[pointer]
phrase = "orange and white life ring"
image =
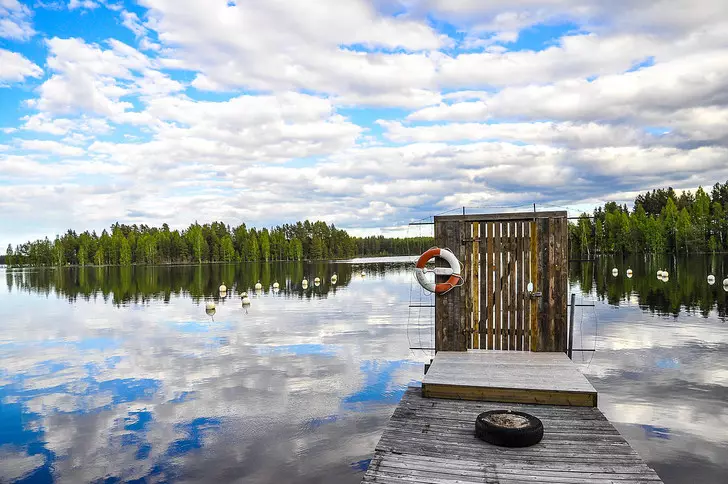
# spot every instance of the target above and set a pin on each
(443, 287)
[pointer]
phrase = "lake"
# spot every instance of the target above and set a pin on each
(121, 375)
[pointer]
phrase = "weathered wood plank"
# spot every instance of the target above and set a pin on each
(491, 285)
(449, 307)
(475, 284)
(547, 378)
(484, 328)
(497, 296)
(528, 278)
(518, 287)
(432, 441)
(539, 340)
(513, 242)
(465, 289)
(534, 254)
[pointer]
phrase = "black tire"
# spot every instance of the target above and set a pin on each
(490, 427)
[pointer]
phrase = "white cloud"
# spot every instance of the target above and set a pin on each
(649, 96)
(131, 21)
(82, 4)
(560, 134)
(15, 21)
(271, 58)
(15, 68)
(89, 79)
(51, 147)
(42, 123)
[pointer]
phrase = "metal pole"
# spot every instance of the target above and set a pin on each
(534, 207)
(571, 324)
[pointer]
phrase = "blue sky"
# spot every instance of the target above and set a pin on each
(363, 113)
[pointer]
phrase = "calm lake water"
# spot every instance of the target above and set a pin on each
(120, 374)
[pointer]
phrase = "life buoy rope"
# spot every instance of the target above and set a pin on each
(455, 278)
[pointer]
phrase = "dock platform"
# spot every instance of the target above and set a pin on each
(432, 440)
(508, 376)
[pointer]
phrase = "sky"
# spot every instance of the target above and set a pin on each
(364, 113)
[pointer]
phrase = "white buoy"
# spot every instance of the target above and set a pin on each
(615, 272)
(223, 287)
(246, 300)
(244, 294)
(363, 273)
(665, 278)
(334, 279)
(304, 283)
(276, 285)
(317, 280)
(258, 286)
(665, 274)
(725, 281)
(210, 305)
(659, 273)
(711, 279)
(629, 273)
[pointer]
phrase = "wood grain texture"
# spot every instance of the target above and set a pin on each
(468, 294)
(432, 441)
(500, 256)
(474, 286)
(509, 376)
(497, 294)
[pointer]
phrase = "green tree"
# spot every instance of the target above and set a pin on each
(264, 240)
(227, 249)
(124, 252)
(9, 256)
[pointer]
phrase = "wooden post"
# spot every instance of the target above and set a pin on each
(450, 328)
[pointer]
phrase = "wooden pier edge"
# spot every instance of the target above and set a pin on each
(510, 395)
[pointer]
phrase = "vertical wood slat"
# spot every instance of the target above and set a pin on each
(491, 285)
(505, 288)
(497, 314)
(449, 307)
(545, 251)
(484, 286)
(528, 278)
(536, 279)
(512, 287)
(475, 284)
(468, 294)
(519, 290)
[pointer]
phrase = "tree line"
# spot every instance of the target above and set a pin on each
(660, 222)
(216, 242)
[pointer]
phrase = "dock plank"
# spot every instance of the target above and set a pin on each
(508, 376)
(432, 441)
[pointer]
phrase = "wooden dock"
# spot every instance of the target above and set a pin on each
(432, 440)
(508, 376)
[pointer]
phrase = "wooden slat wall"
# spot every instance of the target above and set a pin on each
(494, 310)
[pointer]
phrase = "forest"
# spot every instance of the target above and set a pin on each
(661, 221)
(215, 242)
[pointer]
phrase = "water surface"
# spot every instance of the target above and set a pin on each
(119, 374)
